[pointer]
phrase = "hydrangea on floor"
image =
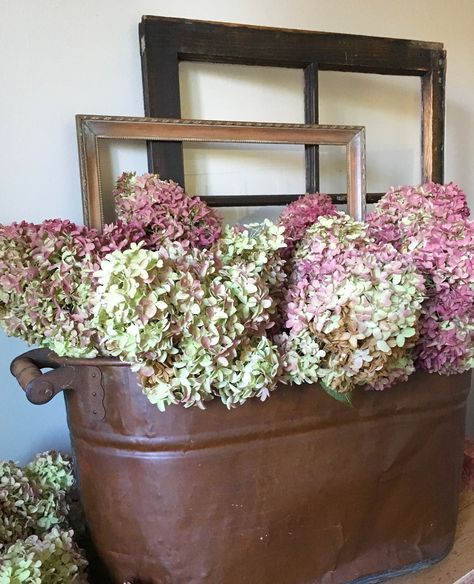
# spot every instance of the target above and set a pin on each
(33, 499)
(52, 559)
(36, 542)
(430, 226)
(351, 309)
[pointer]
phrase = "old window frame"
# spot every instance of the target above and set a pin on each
(166, 41)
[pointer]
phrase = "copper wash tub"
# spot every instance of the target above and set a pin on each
(300, 489)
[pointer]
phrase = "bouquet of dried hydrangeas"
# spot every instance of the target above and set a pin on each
(36, 539)
(203, 312)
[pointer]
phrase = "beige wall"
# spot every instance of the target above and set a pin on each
(62, 57)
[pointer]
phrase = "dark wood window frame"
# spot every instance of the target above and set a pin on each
(165, 42)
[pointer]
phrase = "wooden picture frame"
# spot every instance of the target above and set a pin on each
(164, 42)
(91, 129)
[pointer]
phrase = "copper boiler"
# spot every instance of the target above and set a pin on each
(300, 489)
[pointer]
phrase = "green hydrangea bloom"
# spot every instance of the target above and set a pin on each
(52, 559)
(36, 545)
(258, 245)
(52, 471)
(187, 321)
(33, 499)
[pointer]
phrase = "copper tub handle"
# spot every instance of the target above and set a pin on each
(40, 388)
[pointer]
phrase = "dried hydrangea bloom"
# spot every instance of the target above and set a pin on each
(256, 362)
(256, 244)
(430, 226)
(45, 281)
(52, 559)
(52, 471)
(406, 210)
(351, 309)
(119, 235)
(165, 211)
(14, 242)
(16, 521)
(184, 319)
(259, 245)
(196, 376)
(33, 499)
(301, 214)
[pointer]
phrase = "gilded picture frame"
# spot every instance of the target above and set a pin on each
(91, 129)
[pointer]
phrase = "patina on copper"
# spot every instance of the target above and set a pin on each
(300, 489)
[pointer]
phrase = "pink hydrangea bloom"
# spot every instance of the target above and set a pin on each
(301, 214)
(351, 309)
(165, 211)
(407, 210)
(45, 279)
(430, 226)
(120, 235)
